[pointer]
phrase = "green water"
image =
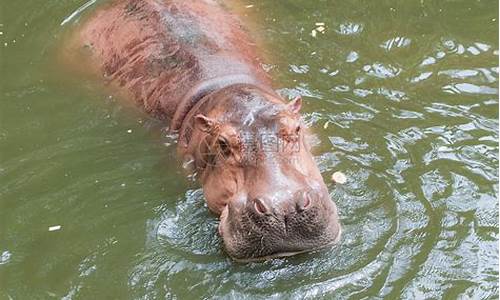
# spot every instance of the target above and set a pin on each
(402, 95)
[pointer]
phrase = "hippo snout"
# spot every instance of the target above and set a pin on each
(264, 227)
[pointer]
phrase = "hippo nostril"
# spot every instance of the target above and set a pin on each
(304, 201)
(260, 206)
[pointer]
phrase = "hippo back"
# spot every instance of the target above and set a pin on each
(168, 53)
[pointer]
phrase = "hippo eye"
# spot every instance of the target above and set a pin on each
(225, 150)
(297, 129)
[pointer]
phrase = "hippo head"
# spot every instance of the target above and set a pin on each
(258, 173)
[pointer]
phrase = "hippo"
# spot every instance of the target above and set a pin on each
(193, 65)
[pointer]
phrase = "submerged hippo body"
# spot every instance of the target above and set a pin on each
(192, 64)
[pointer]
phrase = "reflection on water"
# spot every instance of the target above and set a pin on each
(403, 99)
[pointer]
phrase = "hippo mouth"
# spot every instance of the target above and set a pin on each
(287, 254)
(224, 235)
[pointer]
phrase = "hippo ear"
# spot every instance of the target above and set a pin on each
(295, 105)
(203, 123)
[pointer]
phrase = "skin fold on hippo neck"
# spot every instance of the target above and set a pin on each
(203, 89)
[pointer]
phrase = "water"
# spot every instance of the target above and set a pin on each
(403, 97)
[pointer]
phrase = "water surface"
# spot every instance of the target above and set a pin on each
(402, 95)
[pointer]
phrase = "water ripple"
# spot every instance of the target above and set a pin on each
(402, 98)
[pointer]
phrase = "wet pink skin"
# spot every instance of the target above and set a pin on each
(192, 64)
